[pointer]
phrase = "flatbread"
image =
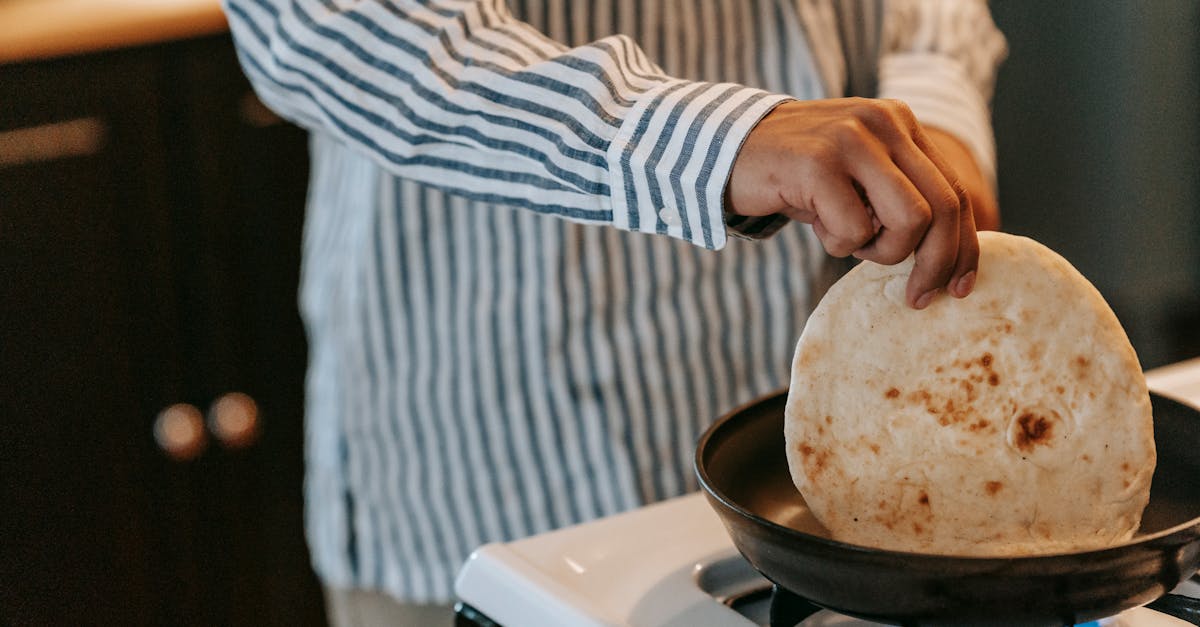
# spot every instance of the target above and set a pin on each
(1015, 421)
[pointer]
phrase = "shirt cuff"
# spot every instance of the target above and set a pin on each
(672, 157)
(940, 94)
(756, 227)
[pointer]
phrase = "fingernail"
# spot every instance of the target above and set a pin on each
(965, 284)
(923, 301)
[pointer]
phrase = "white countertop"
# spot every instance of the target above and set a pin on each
(1180, 381)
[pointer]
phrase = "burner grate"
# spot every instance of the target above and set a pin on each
(778, 607)
(1179, 606)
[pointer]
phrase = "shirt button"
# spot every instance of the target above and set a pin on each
(670, 217)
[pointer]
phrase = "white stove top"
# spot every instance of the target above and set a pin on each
(671, 565)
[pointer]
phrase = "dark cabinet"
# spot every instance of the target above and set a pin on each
(150, 225)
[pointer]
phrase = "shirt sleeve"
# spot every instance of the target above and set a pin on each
(461, 95)
(941, 57)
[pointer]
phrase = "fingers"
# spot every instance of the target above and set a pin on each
(962, 280)
(842, 222)
(947, 253)
(900, 210)
(938, 250)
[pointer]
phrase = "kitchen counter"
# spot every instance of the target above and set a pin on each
(1180, 381)
(42, 29)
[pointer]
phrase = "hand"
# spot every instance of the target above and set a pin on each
(871, 183)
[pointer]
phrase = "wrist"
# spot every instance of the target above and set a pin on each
(970, 176)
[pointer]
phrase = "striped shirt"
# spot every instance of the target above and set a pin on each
(487, 361)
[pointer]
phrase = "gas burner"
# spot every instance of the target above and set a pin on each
(673, 564)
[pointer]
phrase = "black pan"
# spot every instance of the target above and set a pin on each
(742, 467)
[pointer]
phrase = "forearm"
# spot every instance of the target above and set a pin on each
(941, 58)
(462, 96)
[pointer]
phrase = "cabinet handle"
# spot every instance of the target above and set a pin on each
(179, 430)
(233, 418)
(80, 137)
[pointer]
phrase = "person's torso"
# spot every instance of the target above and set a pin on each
(480, 373)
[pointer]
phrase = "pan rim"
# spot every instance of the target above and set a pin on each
(702, 446)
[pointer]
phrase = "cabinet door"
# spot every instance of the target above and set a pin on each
(239, 190)
(88, 311)
(150, 219)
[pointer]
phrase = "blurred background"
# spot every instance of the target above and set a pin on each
(1097, 116)
(151, 356)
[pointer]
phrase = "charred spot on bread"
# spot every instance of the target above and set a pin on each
(1034, 429)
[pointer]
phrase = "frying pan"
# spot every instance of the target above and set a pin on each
(742, 467)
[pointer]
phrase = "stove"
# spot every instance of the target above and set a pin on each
(672, 564)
